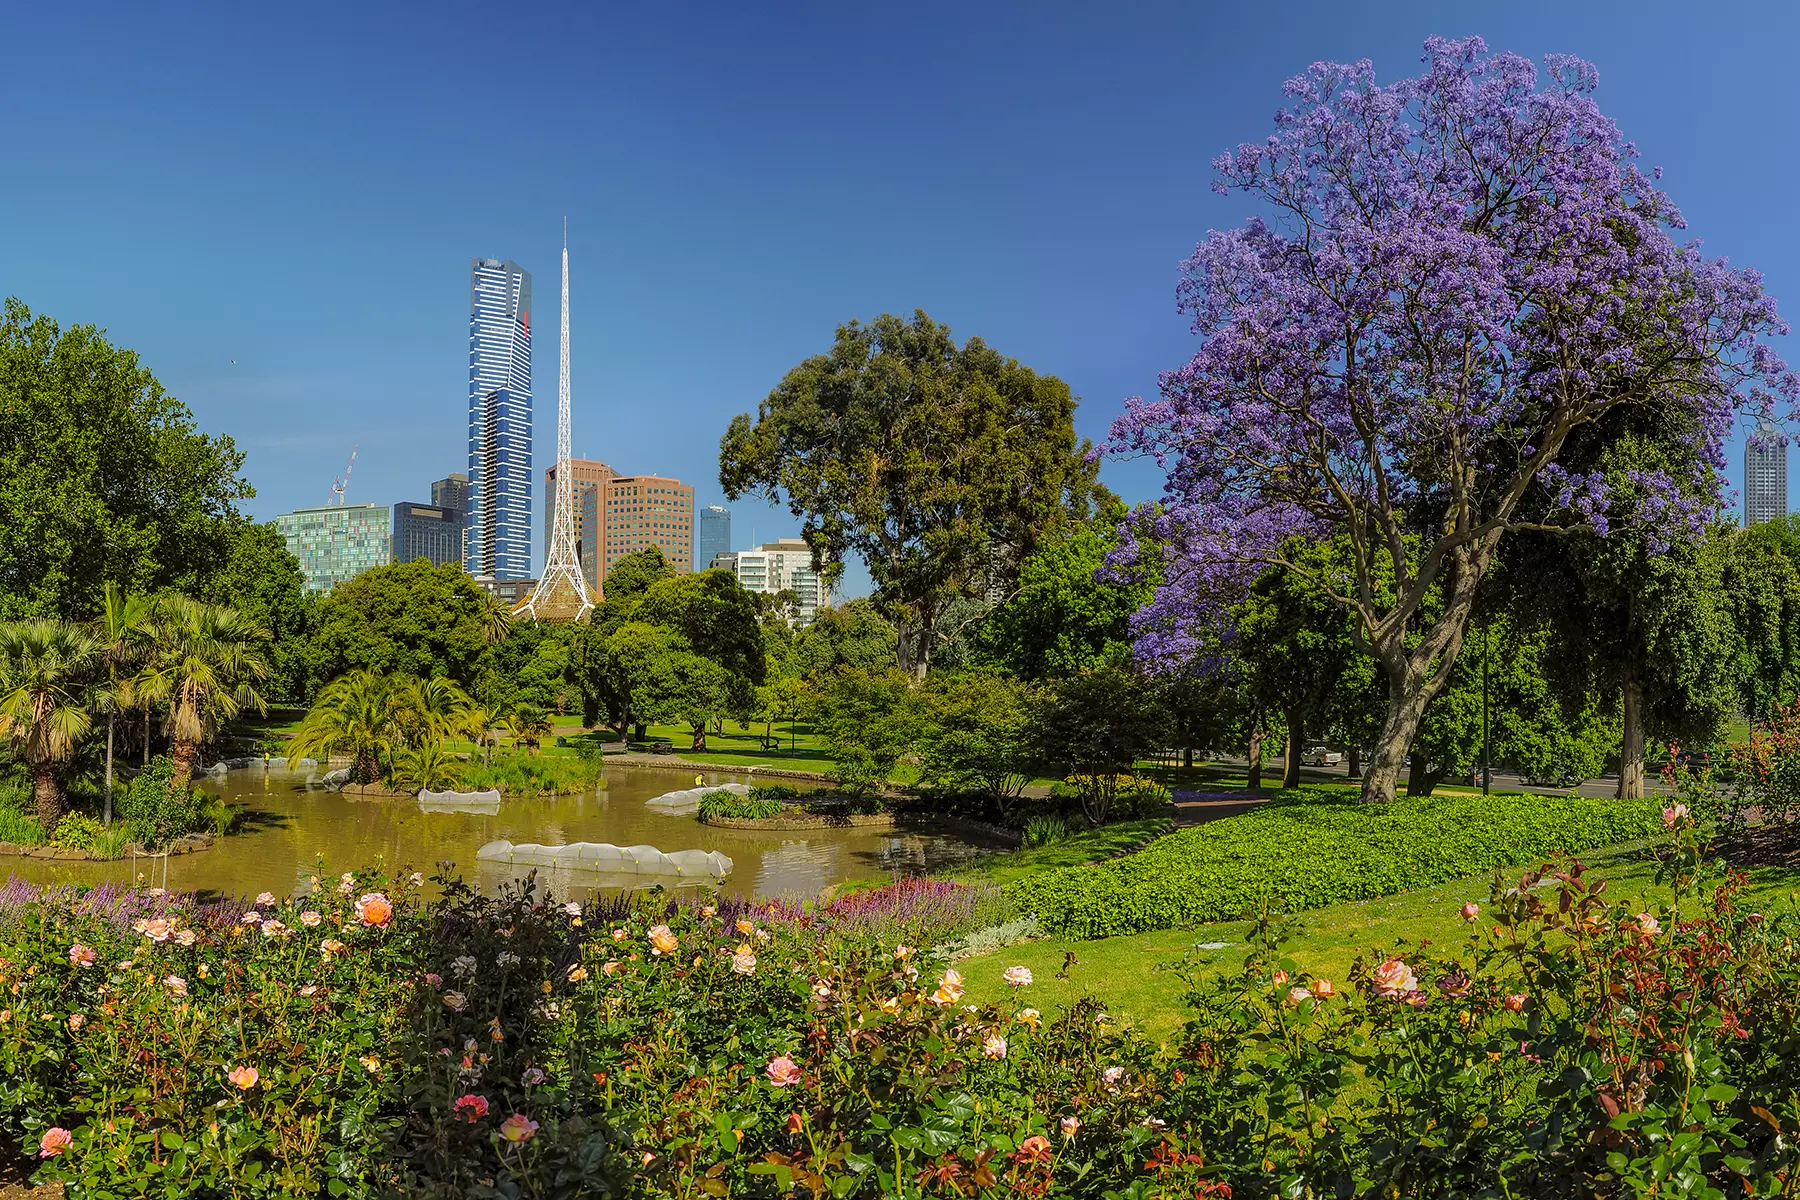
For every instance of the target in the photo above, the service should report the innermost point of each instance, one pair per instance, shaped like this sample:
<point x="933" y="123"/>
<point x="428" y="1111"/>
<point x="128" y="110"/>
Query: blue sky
<point x="300" y="188"/>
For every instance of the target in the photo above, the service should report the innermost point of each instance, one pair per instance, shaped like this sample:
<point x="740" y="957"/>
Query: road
<point x="1504" y="781"/>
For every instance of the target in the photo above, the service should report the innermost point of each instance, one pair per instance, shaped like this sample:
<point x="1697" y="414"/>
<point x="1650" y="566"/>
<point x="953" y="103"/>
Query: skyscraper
<point x="427" y="531"/>
<point x="335" y="542"/>
<point x="499" y="499"/>
<point x="785" y="565"/>
<point x="1765" y="475"/>
<point x="712" y="535"/>
<point x="452" y="492"/>
<point x="647" y="510"/>
<point x="588" y="479"/>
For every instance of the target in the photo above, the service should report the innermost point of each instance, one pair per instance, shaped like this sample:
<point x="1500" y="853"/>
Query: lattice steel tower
<point x="562" y="592"/>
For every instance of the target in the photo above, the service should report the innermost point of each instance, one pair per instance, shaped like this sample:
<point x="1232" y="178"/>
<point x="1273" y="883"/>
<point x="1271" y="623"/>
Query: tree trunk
<point x="1631" y="749"/>
<point x="1419" y="779"/>
<point x="1255" y="755"/>
<point x="1353" y="756"/>
<point x="48" y="795"/>
<point x="146" y="735"/>
<point x="1296" y="746"/>
<point x="699" y="742"/>
<point x="1187" y="758"/>
<point x="106" y="815"/>
<point x="183" y="757"/>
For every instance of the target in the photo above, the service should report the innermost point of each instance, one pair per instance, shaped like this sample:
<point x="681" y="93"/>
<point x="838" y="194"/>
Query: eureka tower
<point x="499" y="498"/>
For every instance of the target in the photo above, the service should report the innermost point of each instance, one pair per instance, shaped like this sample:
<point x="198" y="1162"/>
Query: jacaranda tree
<point x="1453" y="272"/>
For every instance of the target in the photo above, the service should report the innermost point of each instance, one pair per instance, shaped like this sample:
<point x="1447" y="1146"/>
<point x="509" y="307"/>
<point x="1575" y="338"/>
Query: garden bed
<point x="182" y="845"/>
<point x="804" y="820"/>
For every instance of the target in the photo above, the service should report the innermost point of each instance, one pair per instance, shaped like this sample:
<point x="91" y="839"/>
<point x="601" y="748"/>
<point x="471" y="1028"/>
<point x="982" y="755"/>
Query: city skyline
<point x="500" y="421"/>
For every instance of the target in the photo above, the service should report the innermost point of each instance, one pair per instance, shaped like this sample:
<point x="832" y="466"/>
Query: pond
<point x="289" y="827"/>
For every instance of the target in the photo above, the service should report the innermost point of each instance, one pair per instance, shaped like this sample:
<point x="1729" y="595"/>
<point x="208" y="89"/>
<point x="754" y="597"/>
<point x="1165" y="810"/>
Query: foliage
<point x="1093" y="727"/>
<point x="429" y="768"/>
<point x="868" y="720"/>
<point x="1458" y="266"/>
<point x="635" y="572"/>
<point x="77" y="831"/>
<point x="407" y="618"/>
<point x="976" y="735"/>
<point x="103" y="476"/>
<point x="20" y="828"/>
<point x="730" y="805"/>
<point x="155" y="810"/>
<point x="356" y="714"/>
<point x="1069" y="613"/>
<point x="45" y="670"/>
<point x="531" y="775"/>
<point x="778" y="793"/>
<point x="206" y="662"/>
<point x="854" y="634"/>
<point x="1765" y="770"/>
<point x="940" y="465"/>
<point x="261" y="578"/>
<point x="1316" y="849"/>
<point x="1044" y="829"/>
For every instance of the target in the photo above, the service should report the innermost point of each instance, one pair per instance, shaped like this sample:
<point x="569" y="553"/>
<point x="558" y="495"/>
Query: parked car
<point x="1319" y="756"/>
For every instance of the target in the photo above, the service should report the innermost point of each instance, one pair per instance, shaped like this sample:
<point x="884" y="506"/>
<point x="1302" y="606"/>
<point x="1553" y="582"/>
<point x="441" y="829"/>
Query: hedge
<point x="1310" y="849"/>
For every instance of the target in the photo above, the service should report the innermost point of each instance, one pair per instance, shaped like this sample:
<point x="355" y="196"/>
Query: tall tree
<point x="845" y="635"/>
<point x="402" y="619"/>
<point x="206" y="662"/>
<point x="1457" y="271"/>
<point x="103" y="476"/>
<point x="941" y="465"/>
<point x="46" y="672"/>
<point x="261" y="578"/>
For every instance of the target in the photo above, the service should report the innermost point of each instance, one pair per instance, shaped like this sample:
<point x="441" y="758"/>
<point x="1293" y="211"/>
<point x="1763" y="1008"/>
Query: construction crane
<point x="338" y="485"/>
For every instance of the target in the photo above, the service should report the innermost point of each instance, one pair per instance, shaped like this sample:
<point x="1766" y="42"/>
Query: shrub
<point x="77" y="831"/>
<point x="154" y="811"/>
<point x="532" y="775"/>
<point x="722" y="803"/>
<point x="20" y="828"/>
<point x="1307" y="851"/>
<point x="110" y="842"/>
<point x="1043" y="830"/>
<point x="780" y="793"/>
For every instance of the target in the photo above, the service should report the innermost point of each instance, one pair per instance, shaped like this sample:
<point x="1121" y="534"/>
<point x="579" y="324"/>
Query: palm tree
<point x="356" y="714"/>
<point x="530" y="725"/>
<point x="496" y="622"/>
<point x="477" y="725"/>
<point x="430" y="768"/>
<point x="123" y="630"/>
<point x="430" y="710"/>
<point x="46" y="668"/>
<point x="204" y="662"/>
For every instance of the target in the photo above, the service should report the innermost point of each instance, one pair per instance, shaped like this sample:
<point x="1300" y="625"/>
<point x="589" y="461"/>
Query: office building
<point x="337" y="541"/>
<point x="588" y="478"/>
<point x="429" y="532"/>
<point x="723" y="562"/>
<point x="712" y="535"/>
<point x="784" y="565"/>
<point x="643" y="511"/>
<point x="1765" y="475"/>
<point x="499" y="486"/>
<point x="451" y="492"/>
<point x="509" y="592"/>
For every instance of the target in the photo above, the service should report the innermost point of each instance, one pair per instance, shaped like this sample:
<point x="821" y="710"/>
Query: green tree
<point x="262" y="580"/>
<point x="977" y="735"/>
<point x="1093" y="726"/>
<point x="103" y="476"/>
<point x="205" y="663"/>
<point x="846" y="635"/>
<point x="1068" y="614"/>
<point x="124" y="630"/>
<point x="1759" y="580"/>
<point x="869" y="720"/>
<point x="403" y="619"/>
<point x="940" y="465"/>
<point x="635" y="572"/>
<point x="47" y="669"/>
<point x="429" y="711"/>
<point x="715" y="615"/>
<point x="357" y="714"/>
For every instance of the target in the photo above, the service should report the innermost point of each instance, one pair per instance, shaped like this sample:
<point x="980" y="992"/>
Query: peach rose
<point x="1322" y="989"/>
<point x="743" y="963"/>
<point x="56" y="1140"/>
<point x="243" y="1078"/>
<point x="1394" y="978"/>
<point x="662" y="940"/>
<point x="993" y="1046"/>
<point x="518" y="1128"/>
<point x="373" y="909"/>
<point x="783" y="1071"/>
<point x="81" y="956"/>
<point x="1470" y="911"/>
<point x="1017" y="976"/>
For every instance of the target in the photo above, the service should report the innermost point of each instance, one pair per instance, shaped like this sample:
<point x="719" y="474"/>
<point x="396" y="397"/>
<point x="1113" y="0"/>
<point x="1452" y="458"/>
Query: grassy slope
<point x="1124" y="972"/>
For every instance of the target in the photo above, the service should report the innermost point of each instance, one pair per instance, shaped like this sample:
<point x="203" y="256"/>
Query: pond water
<point x="289" y="827"/>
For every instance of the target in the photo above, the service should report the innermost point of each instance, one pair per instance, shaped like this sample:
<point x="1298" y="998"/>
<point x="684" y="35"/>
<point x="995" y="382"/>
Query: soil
<point x="1766" y="845"/>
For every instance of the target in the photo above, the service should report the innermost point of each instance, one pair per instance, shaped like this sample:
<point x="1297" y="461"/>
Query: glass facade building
<point x="499" y="487"/>
<point x="337" y="541"/>
<point x="452" y="492"/>
<point x="1765" y="475"/>
<point x="712" y="535"/>
<point x="429" y="532"/>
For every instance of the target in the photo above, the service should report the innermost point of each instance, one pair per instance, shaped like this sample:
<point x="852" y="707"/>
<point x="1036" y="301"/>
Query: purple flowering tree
<point x="1453" y="273"/>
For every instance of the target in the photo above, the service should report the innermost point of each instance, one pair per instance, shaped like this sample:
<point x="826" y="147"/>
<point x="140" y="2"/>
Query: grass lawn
<point x="1128" y="973"/>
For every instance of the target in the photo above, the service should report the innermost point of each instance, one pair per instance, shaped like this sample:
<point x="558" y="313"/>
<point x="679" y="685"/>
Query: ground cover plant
<point x="730" y="805"/>
<point x="1308" y="848"/>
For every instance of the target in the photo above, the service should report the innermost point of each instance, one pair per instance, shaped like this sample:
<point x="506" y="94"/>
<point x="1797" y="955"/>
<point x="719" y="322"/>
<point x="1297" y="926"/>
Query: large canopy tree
<point x="1455" y="272"/>
<point x="404" y="618"/>
<point x="941" y="465"/>
<point x="103" y="476"/>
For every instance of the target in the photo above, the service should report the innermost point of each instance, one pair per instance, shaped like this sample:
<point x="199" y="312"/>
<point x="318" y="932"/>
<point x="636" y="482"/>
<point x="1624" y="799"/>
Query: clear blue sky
<point x="300" y="188"/>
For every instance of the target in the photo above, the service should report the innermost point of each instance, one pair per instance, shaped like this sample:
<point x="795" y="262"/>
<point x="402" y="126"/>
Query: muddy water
<point x="289" y="828"/>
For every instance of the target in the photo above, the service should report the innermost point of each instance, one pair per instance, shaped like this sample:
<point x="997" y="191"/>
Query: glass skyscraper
<point x="499" y="498"/>
<point x="336" y="542"/>
<point x="712" y="535"/>
<point x="1765" y="475"/>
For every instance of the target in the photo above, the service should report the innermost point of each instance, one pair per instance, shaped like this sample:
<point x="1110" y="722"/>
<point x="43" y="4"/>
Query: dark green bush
<point x="155" y="812"/>
<point x="1310" y="851"/>
<point x="780" y="793"/>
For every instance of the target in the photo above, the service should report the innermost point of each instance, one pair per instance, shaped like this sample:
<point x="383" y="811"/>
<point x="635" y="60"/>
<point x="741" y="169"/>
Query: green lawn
<point x="1128" y="973"/>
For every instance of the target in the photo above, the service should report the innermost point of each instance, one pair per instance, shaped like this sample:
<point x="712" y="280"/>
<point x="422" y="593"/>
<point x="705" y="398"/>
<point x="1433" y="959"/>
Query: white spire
<point x="562" y="565"/>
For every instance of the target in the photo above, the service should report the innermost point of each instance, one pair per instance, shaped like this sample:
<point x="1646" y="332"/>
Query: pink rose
<point x="243" y="1078"/>
<point x="783" y="1071"/>
<point x="1516" y="1002"/>
<point x="470" y="1108"/>
<point x="55" y="1141"/>
<point x="518" y="1128"/>
<point x="1393" y="978"/>
<point x="1470" y="911"/>
<point x="81" y="956"/>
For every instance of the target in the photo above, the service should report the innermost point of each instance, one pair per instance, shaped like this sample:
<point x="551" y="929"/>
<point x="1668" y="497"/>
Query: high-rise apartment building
<point x="643" y="511"/>
<point x="712" y="535"/>
<point x="588" y="477"/>
<point x="1765" y="475"/>
<point x="336" y="542"/>
<point x="429" y="532"/>
<point x="452" y="492"/>
<point x="499" y="486"/>
<point x="784" y="565"/>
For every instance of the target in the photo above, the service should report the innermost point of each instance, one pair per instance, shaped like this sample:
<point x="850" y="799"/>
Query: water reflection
<point x="289" y="829"/>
